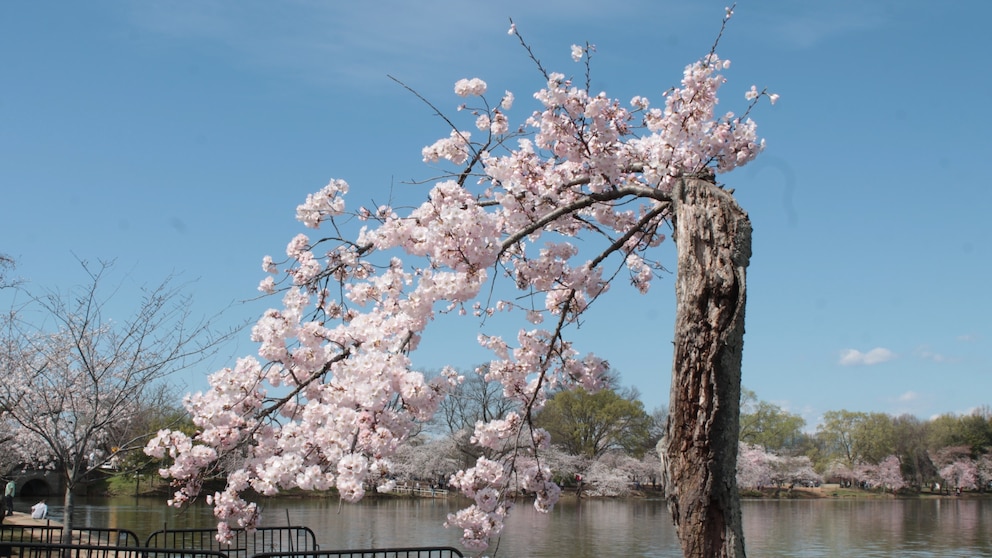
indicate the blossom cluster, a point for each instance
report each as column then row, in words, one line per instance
column 758, row 468
column 333, row 393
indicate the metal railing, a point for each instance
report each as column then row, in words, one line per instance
column 53, row 550
column 24, row 541
column 53, row 534
column 244, row 543
column 421, row 492
column 410, row 552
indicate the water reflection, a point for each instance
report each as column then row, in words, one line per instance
column 911, row 527
column 636, row 528
column 948, row 527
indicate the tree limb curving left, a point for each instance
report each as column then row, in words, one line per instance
column 333, row 392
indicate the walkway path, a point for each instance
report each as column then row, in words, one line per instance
column 20, row 518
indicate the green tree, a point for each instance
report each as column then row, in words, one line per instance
column 837, row 435
column 874, row 438
column 851, row 436
column 976, row 430
column 910, row 442
column 589, row 424
column 161, row 410
column 973, row 431
column 766, row 424
column 944, row 431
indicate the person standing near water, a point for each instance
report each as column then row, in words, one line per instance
column 8, row 496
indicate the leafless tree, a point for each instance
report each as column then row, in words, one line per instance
column 472, row 401
column 7, row 265
column 76, row 378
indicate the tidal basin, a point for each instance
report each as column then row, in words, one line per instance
column 912, row 527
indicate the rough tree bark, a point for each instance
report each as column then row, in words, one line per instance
column 699, row 452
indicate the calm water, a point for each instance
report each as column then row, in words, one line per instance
column 947, row 527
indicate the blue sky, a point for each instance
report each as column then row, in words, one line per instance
column 179, row 137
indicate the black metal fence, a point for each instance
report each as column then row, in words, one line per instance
column 52, row 550
column 411, row 552
column 244, row 543
column 28, row 541
column 53, row 534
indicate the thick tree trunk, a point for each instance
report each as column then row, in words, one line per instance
column 699, row 452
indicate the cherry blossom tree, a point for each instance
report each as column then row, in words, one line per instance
column 425, row 460
column 886, row 474
column 890, row 474
column 753, row 470
column 757, row 467
column 983, row 470
column 961, row 473
column 792, row 470
column 76, row 380
column 610, row 475
column 565, row 466
column 333, row 391
column 957, row 467
column 645, row 471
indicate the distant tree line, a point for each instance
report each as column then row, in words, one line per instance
column 871, row 450
column 602, row 443
column 607, row 440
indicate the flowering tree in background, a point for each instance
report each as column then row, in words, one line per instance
column 429, row 461
column 958, row 468
column 77, row 384
column 983, row 471
column 960, row 474
column 886, row 474
column 609, row 475
column 565, row 466
column 757, row 468
column 334, row 392
column 753, row 470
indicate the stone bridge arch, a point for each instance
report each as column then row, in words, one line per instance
column 38, row 484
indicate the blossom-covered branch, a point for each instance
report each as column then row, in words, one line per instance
column 336, row 355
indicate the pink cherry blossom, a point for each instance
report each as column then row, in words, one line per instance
column 332, row 394
column 474, row 87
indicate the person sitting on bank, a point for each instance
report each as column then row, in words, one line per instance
column 39, row 510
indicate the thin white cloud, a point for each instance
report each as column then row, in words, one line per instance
column 355, row 44
column 932, row 356
column 908, row 403
column 854, row 357
column 808, row 24
column 925, row 353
